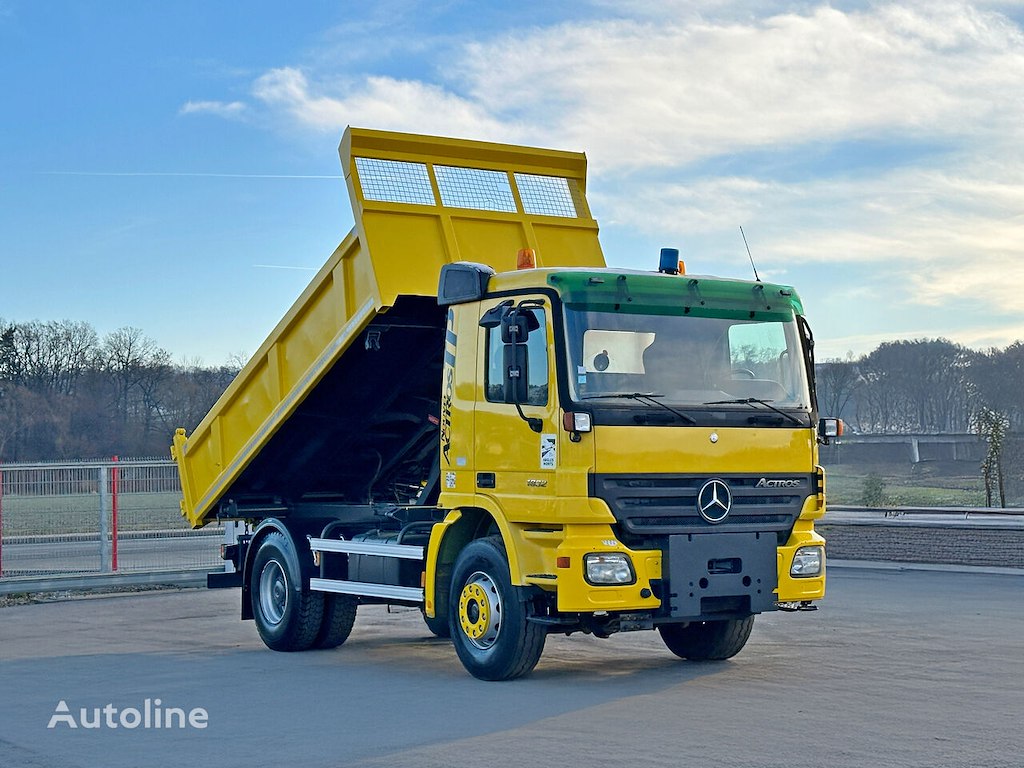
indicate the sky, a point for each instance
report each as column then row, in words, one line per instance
column 173, row 166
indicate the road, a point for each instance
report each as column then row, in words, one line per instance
column 899, row 668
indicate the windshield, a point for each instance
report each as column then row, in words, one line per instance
column 685, row 360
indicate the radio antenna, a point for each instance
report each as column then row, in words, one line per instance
column 756, row 277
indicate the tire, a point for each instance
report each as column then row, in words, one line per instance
column 707, row 640
column 339, row 616
column 437, row 625
column 488, row 618
column 287, row 619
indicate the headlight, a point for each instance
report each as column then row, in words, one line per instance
column 808, row 561
column 608, row 568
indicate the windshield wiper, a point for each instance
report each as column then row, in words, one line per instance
column 647, row 398
column 752, row 400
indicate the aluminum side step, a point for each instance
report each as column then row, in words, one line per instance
column 387, row 591
column 404, row 551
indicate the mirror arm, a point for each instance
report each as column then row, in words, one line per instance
column 535, row 424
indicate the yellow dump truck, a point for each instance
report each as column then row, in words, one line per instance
column 469, row 412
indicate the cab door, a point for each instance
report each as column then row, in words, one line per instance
column 516, row 426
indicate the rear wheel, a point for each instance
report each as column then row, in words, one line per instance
column 287, row 617
column 339, row 616
column 707, row 640
column 488, row 618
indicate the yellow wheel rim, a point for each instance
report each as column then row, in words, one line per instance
column 480, row 610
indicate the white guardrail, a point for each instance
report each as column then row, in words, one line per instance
column 927, row 517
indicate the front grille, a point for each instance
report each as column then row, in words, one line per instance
column 735, row 522
column 636, row 502
column 667, row 504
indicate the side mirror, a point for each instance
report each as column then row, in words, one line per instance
column 829, row 429
column 492, row 317
column 516, row 325
column 516, row 365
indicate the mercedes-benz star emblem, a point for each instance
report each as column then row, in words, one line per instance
column 714, row 500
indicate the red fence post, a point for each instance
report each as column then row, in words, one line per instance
column 113, row 516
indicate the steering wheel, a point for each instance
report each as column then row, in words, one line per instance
column 740, row 373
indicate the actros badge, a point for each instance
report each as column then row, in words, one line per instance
column 714, row 500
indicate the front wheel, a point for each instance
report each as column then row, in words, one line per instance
column 488, row 618
column 707, row 640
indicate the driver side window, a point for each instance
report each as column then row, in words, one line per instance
column 494, row 375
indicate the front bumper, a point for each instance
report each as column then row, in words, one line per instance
column 695, row 576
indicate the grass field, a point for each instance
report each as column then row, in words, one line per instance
column 927, row 484
column 80, row 513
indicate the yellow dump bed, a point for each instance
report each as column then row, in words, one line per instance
column 316, row 415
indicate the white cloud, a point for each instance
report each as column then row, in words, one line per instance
column 230, row 109
column 984, row 337
column 673, row 90
column 378, row 102
column 682, row 86
column 925, row 238
column 643, row 93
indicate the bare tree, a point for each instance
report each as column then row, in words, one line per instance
column 916, row 386
column 135, row 365
column 47, row 356
column 65, row 394
column 27, row 421
column 992, row 425
column 191, row 390
column 73, row 348
column 995, row 379
column 837, row 383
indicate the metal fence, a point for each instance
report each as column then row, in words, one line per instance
column 114, row 516
column 122, row 517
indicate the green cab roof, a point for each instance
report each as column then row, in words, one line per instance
column 634, row 291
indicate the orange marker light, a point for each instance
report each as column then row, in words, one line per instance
column 527, row 259
column 562, row 562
